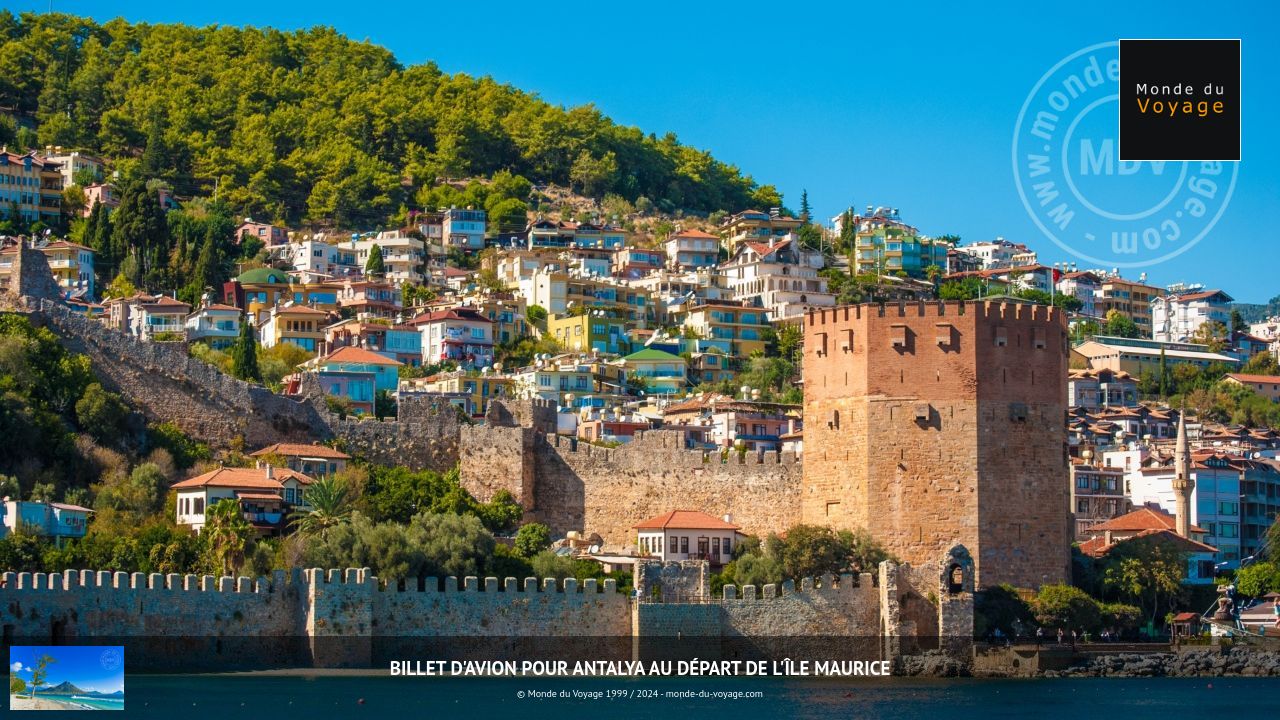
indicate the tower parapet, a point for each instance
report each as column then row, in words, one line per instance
column 936, row 423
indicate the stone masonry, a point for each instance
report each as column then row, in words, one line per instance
column 572, row 485
column 349, row 618
column 930, row 424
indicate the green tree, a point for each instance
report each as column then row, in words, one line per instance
column 140, row 232
column 1120, row 325
column 375, row 267
column 1163, row 374
column 40, row 673
column 155, row 161
column 1148, row 572
column 1212, row 334
column 101, row 414
column 227, row 536
column 1238, row 323
column 16, row 684
column 1258, row 579
column 244, row 354
column 531, row 539
column 328, row 501
column 1066, row 607
column 805, row 210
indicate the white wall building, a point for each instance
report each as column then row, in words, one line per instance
column 688, row 535
column 1176, row 317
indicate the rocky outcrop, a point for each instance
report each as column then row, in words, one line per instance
column 1207, row 662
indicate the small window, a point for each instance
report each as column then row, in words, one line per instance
column 1018, row 412
column 684, row 545
column 675, row 544
column 1002, row 337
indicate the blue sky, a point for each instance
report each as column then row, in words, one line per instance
column 82, row 666
column 910, row 106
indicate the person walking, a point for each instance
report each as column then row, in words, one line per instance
column 1060, row 635
column 1039, row 637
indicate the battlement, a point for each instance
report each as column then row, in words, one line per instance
column 280, row 581
column 670, row 449
column 1021, row 312
column 849, row 587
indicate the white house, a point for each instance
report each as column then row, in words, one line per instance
column 688, row 535
column 266, row 495
column 1176, row 317
column 214, row 324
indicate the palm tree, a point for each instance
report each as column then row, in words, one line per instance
column 329, row 500
column 227, row 534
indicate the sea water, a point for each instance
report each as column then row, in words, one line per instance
column 257, row 696
column 96, row 703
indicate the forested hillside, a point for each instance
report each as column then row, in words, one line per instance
column 310, row 126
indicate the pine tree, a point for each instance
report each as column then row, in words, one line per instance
column 805, row 210
column 90, row 234
column 374, row 267
column 106, row 263
column 244, row 354
column 155, row 161
column 141, row 231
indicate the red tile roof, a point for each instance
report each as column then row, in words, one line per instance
column 1247, row 378
column 252, row 478
column 686, row 520
column 301, row 450
column 351, row 354
column 454, row 313
column 696, row 234
column 1144, row 518
column 1097, row 546
column 763, row 249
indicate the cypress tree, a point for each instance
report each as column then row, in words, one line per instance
column 805, row 210
column 1164, row 375
column 374, row 267
column 244, row 354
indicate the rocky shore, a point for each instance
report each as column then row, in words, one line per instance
column 1207, row 662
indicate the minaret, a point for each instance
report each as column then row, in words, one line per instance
column 1182, row 482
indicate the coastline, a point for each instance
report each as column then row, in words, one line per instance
column 17, row 702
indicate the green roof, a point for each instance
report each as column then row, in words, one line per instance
column 263, row 276
column 651, row 354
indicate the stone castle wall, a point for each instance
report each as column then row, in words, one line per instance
column 929, row 424
column 166, row 384
column 573, row 485
column 349, row 618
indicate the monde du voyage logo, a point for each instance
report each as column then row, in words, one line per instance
column 1123, row 152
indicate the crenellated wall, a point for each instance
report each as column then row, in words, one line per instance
column 165, row 383
column 573, row 485
column 928, row 423
column 348, row 618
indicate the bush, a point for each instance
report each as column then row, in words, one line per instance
column 532, row 539
column 102, row 414
column 1001, row 607
column 430, row 545
column 1067, row 607
column 1258, row 579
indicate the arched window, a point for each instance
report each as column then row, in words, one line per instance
column 955, row 579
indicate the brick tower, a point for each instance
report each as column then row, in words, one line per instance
column 932, row 424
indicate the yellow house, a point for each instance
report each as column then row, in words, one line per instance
column 297, row 324
column 474, row 389
column 595, row 330
column 743, row 326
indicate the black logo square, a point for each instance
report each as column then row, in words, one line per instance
column 1179, row 100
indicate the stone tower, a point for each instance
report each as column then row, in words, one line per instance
column 1182, row 482
column 937, row 424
